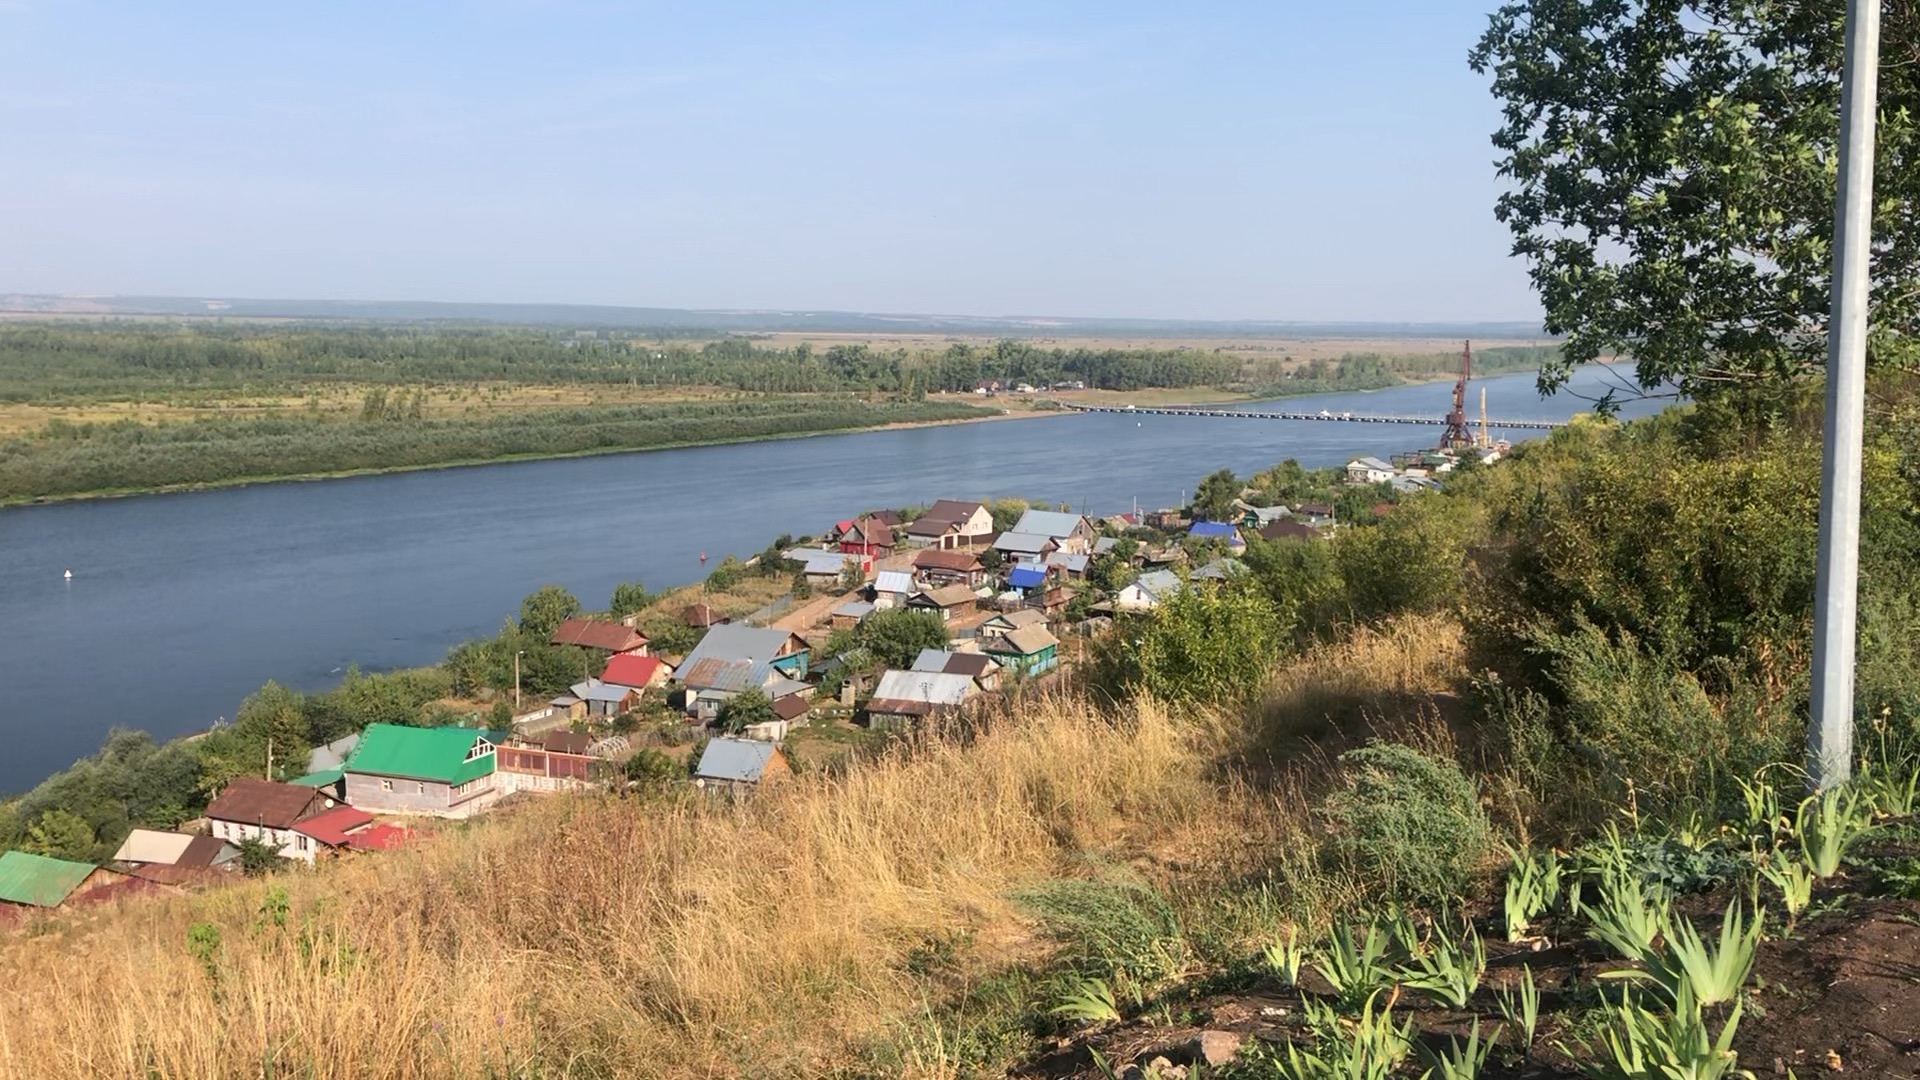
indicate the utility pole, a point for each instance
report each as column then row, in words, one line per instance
column 1836, row 587
column 516, row 678
column 269, row 757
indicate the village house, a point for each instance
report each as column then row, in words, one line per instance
column 1012, row 620
column 1290, row 530
column 1031, row 650
column 1148, row 591
column 979, row 667
column 950, row 568
column 701, row 615
column 1069, row 532
column 444, row 772
column 947, row 601
column 556, row 761
column 187, row 852
column 605, row 700
column 36, row 881
column 951, row 525
column 1072, row 564
column 866, row 538
column 733, row 658
column 1217, row 530
column 637, row 672
column 1369, row 470
column 736, row 766
column 1219, row 570
column 820, row 568
column 891, row 589
column 1315, row 514
column 599, row 634
column 1259, row 517
column 904, row 697
column 1024, row 546
column 850, row 614
column 328, row 833
column 252, row 809
column 1026, row 577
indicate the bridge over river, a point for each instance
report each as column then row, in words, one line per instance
column 1335, row 417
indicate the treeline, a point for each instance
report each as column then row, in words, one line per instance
column 61, row 362
column 1374, row 371
column 70, row 459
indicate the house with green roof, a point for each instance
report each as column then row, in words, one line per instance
column 445, row 772
column 36, row 881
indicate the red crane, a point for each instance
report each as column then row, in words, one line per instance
column 1458, row 435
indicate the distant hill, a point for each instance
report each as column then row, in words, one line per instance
column 681, row 320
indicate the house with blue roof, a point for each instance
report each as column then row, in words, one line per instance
column 1217, row 530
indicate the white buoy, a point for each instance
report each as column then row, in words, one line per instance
column 69, row 575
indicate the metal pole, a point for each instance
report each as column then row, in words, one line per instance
column 1830, row 730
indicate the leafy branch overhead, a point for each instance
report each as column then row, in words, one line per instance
column 1671, row 172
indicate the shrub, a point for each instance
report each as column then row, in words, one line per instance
column 1408, row 821
column 1199, row 646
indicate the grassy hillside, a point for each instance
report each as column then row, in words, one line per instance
column 1588, row 663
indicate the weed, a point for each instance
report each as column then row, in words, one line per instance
column 1827, row 825
column 1794, row 880
column 1520, row 1008
column 1410, row 821
column 1090, row 1000
column 1355, row 969
column 1891, row 790
column 1709, row 976
column 1447, row 972
column 1285, row 957
column 203, row 944
column 1368, row 1047
column 1110, row 926
column 1458, row 1062
column 1533, row 887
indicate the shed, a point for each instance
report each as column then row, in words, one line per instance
column 42, row 882
column 730, row 763
column 848, row 615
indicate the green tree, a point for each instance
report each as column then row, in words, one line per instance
column 895, row 637
column 725, row 576
column 1669, row 179
column 1214, row 498
column 1199, row 646
column 60, row 834
column 650, row 768
column 628, row 597
column 257, row 857
column 745, row 709
column 543, row 611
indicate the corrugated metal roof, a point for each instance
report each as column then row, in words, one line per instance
column 1015, row 619
column 629, row 670
column 956, row 561
column 1027, row 640
column 931, row 660
column 1026, row 577
column 1026, row 543
column 332, row 827
column 735, row 759
column 252, row 801
column 1048, row 523
column 893, row 581
column 854, row 609
column 1072, row 562
column 333, row 755
column 930, row 687
column 38, row 880
column 1220, row 529
column 597, row 634
column 421, row 753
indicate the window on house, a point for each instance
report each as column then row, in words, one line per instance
column 386, row 785
column 301, row 843
column 419, row 789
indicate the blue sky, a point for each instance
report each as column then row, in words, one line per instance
column 1280, row 159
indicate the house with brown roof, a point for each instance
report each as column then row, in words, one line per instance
column 253, row 809
column 947, row 601
column 938, row 567
column 614, row 637
column 951, row 525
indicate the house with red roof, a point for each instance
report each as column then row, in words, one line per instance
column 638, row 672
column 386, row 836
column 866, row 537
column 326, row 833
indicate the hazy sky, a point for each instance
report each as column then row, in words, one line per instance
column 1268, row 159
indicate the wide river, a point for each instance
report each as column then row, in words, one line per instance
column 182, row 604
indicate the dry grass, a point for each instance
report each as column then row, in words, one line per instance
column 680, row 937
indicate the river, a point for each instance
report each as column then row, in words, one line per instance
column 182, row 604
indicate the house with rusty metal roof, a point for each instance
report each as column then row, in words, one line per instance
column 600, row 634
column 36, row 881
column 732, row 658
column 443, row 772
column 979, row 667
column 328, row 833
column 735, row 765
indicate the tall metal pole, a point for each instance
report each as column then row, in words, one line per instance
column 1830, row 731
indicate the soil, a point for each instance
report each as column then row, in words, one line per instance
column 1842, row 995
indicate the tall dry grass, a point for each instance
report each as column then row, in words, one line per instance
column 594, row 936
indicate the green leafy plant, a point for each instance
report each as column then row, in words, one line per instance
column 1458, row 1062
column 1689, row 969
column 1356, row 968
column 1446, row 971
column 1827, row 825
column 1891, row 790
column 1629, row 917
column 1090, row 1000
column 1637, row 1043
column 1533, row 887
column 1520, row 1008
column 1762, row 805
column 1793, row 879
column 1369, row 1047
column 1285, row 956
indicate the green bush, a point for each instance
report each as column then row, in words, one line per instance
column 1200, row 646
column 1411, row 823
column 1108, row 927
